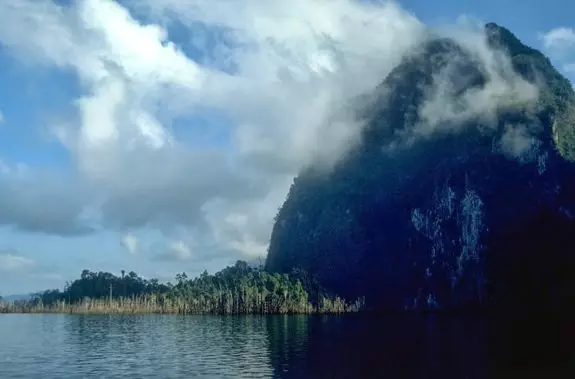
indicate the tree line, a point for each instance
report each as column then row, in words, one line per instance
column 237, row 289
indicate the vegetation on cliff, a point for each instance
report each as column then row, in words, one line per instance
column 556, row 100
column 452, row 219
column 239, row 289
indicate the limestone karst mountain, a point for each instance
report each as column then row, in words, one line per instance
column 461, row 192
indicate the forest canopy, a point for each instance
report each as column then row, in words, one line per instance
column 237, row 289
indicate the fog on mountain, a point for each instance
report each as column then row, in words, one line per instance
column 460, row 193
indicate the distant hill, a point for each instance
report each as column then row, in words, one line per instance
column 16, row 297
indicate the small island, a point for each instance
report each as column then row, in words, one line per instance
column 238, row 289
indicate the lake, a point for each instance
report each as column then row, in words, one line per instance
column 170, row 346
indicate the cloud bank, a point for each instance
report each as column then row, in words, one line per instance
column 559, row 43
column 194, row 116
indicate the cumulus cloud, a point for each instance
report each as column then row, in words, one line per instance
column 558, row 38
column 41, row 201
column 280, row 72
column 559, row 43
column 177, row 251
column 130, row 243
column 276, row 79
column 10, row 262
column 180, row 250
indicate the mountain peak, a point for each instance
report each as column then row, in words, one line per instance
column 477, row 201
column 500, row 37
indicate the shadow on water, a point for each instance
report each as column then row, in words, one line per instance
column 375, row 346
column 533, row 344
column 416, row 346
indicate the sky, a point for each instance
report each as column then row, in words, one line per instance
column 162, row 136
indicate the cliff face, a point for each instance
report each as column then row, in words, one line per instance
column 446, row 203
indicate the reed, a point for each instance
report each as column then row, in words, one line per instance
column 148, row 304
column 237, row 289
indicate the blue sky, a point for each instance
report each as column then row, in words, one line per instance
column 161, row 136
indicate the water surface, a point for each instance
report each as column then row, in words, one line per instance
column 162, row 346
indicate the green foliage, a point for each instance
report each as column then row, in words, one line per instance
column 353, row 227
column 564, row 133
column 556, row 103
column 239, row 289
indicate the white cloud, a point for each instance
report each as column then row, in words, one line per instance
column 294, row 64
column 559, row 44
column 558, row 38
column 42, row 201
column 180, row 250
column 282, row 72
column 176, row 251
column 446, row 108
column 130, row 243
column 1, row 117
column 15, row 263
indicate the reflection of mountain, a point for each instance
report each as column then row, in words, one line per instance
column 411, row 346
column 377, row 347
column 420, row 216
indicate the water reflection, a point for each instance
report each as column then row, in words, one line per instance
column 169, row 346
column 411, row 346
column 402, row 346
column 375, row 347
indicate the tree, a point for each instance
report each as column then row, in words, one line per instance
column 237, row 289
column 181, row 278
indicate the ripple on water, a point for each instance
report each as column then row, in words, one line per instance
column 162, row 346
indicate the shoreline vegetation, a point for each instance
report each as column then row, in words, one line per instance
column 235, row 290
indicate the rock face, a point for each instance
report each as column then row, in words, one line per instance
column 470, row 210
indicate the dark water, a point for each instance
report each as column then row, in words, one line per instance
column 153, row 346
